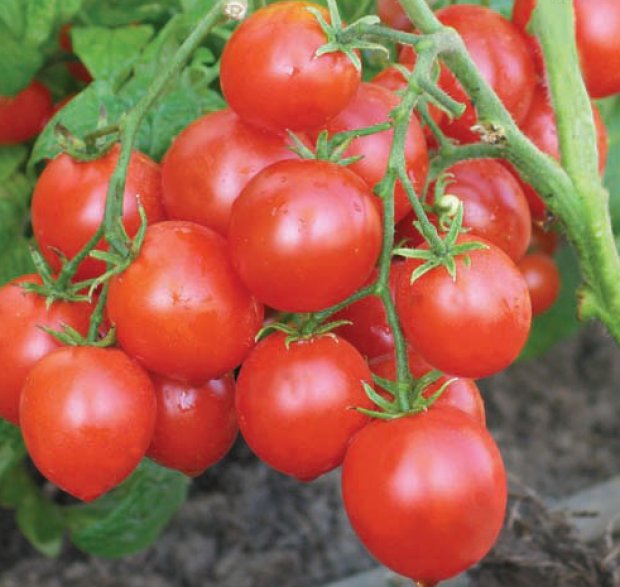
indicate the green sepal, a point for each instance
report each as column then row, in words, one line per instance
column 376, row 398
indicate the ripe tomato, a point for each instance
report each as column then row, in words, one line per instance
column 75, row 67
column 426, row 494
column 295, row 402
column 500, row 53
column 304, row 235
column 87, row 415
column 494, row 206
column 372, row 105
column 539, row 125
column 487, row 305
column 369, row 331
column 69, row 202
column 180, row 309
column 544, row 241
column 22, row 340
column 462, row 394
column 596, row 26
column 543, row 280
column 23, row 116
column 392, row 14
column 271, row 77
column 209, row 164
column 195, row 425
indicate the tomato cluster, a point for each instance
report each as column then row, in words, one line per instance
column 239, row 222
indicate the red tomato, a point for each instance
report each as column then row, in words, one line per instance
column 271, row 77
column 543, row 280
column 494, row 206
column 209, row 164
column 500, row 53
column 539, row 125
column 69, row 202
column 87, row 415
column 545, row 241
column 472, row 326
column 462, row 394
column 596, row 23
column 180, row 309
column 75, row 67
column 23, row 116
column 295, row 402
column 195, row 425
column 22, row 340
column 369, row 331
column 372, row 105
column 426, row 494
column 304, row 235
column 392, row 14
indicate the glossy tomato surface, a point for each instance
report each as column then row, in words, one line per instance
column 304, row 235
column 499, row 51
column 69, row 203
column 494, row 205
column 540, row 127
column 426, row 494
column 196, row 425
column 461, row 393
column 471, row 326
column 271, row 76
column 295, row 402
column 372, row 104
column 543, row 280
column 87, row 416
column 180, row 309
column 369, row 331
column 23, row 341
column 23, row 116
column 392, row 14
column 209, row 164
column 596, row 26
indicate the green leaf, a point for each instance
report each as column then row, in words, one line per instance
column 15, row 260
column 113, row 13
column 12, row 449
column 14, row 195
column 19, row 63
column 109, row 54
column 131, row 517
column 11, row 157
column 80, row 116
column 560, row 321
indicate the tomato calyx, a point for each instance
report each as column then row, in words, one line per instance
column 414, row 391
column 339, row 41
column 69, row 336
column 434, row 256
column 301, row 327
column 93, row 146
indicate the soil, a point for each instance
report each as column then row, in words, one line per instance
column 555, row 419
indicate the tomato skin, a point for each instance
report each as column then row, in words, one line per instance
column 304, row 235
column 23, row 116
column 488, row 306
column 543, row 280
column 392, row 14
column 76, row 68
column 369, row 331
column 271, row 78
column 544, row 241
column 87, row 416
column 540, row 127
column 180, row 309
column 426, row 494
column 209, row 164
column 499, row 51
column 195, row 426
column 596, row 26
column 308, row 390
column 462, row 394
column 494, row 205
column 69, row 203
column 23, row 342
column 372, row 104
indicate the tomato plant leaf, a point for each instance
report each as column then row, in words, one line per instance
column 12, row 449
column 130, row 517
column 110, row 54
column 19, row 63
column 560, row 321
column 11, row 157
column 610, row 110
column 114, row 13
